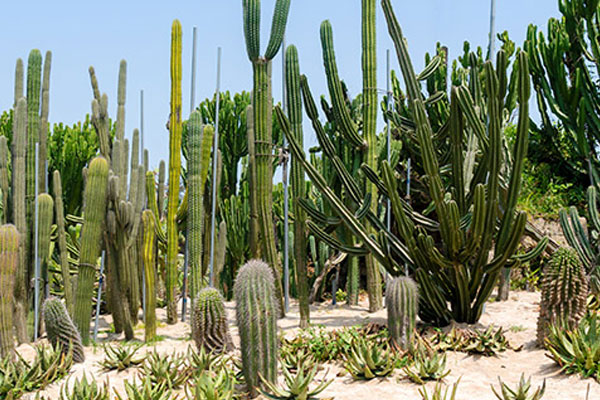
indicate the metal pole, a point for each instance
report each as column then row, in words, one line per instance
column 214, row 167
column 389, row 132
column 408, row 166
column 286, row 196
column 36, row 282
column 100, row 283
column 141, row 158
column 492, row 47
column 185, row 253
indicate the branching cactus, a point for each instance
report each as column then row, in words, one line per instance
column 210, row 322
column 61, row 330
column 256, row 314
column 564, row 292
column 262, row 105
column 91, row 243
column 402, row 302
column 9, row 259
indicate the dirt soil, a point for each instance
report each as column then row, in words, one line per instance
column 517, row 316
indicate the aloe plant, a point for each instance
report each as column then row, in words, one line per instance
column 427, row 365
column 297, row 386
column 121, row 357
column 521, row 392
column 368, row 360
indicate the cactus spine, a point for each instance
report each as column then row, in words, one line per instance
column 256, row 314
column 262, row 119
column 210, row 322
column 91, row 243
column 564, row 292
column 402, row 302
column 9, row 261
column 19, row 207
column 149, row 238
column 174, row 171
column 294, row 102
column 62, row 241
column 61, row 330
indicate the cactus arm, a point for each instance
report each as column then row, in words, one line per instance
column 18, row 81
column 280, row 16
column 62, row 241
column 174, row 171
column 251, row 9
column 34, row 65
column 593, row 208
column 43, row 135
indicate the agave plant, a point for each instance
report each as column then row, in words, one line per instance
column 210, row 386
column 428, row 365
column 202, row 360
column 147, row 391
column 50, row 365
column 11, row 373
column 82, row 389
column 292, row 360
column 170, row 370
column 121, row 357
column 297, row 385
column 368, row 360
column 577, row 350
column 437, row 393
column 521, row 392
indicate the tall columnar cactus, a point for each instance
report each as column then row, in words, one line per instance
column 19, row 208
column 150, row 273
column 564, row 292
column 294, row 103
column 256, row 315
column 91, row 243
column 402, row 303
column 175, row 129
column 9, row 260
column 34, row 73
column 61, row 329
column 220, row 253
column 262, row 118
column 199, row 146
column 62, row 241
column 254, row 240
column 43, row 135
column 45, row 218
column 5, row 179
column 209, row 322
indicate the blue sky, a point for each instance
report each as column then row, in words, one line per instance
column 84, row 33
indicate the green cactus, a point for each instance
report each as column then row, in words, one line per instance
column 175, row 129
column 5, row 179
column 564, row 293
column 298, row 182
column 161, row 190
column 402, row 303
column 261, row 120
column 45, row 218
column 256, row 315
column 62, row 242
column 255, row 250
column 149, row 239
column 19, row 208
column 209, row 322
column 18, row 81
column 91, row 243
column 61, row 330
column 34, row 72
column 220, row 253
column 43, row 134
column 9, row 259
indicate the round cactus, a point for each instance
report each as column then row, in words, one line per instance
column 61, row 329
column 256, row 314
column 209, row 322
column 564, row 292
column 402, row 302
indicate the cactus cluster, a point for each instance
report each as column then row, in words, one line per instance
column 256, row 315
column 62, row 333
column 564, row 293
column 209, row 322
column 402, row 303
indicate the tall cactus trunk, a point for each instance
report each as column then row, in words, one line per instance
column 62, row 241
column 263, row 112
column 91, row 243
column 254, row 230
column 45, row 217
column 369, row 67
column 43, row 135
column 174, row 172
column 20, row 218
column 150, row 274
column 9, row 260
column 4, row 179
column 292, row 75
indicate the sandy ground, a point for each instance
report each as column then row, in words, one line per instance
column 517, row 316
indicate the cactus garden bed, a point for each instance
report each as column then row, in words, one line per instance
column 517, row 317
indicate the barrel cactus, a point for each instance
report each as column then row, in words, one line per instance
column 9, row 259
column 256, row 313
column 564, row 292
column 402, row 302
column 61, row 329
column 210, row 322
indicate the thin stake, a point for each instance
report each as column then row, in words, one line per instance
column 492, row 46
column 407, row 199
column 36, row 282
column 214, row 180
column 286, row 195
column 142, row 158
column 389, row 132
column 100, row 283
